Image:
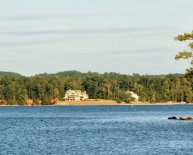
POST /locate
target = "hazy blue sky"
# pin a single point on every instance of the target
(126, 36)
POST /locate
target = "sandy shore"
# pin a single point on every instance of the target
(101, 102)
(111, 102)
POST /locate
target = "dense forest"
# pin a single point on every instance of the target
(47, 88)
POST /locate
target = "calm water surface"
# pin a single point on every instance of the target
(96, 130)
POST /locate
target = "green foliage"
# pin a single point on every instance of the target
(184, 37)
(186, 54)
(9, 74)
(123, 96)
(183, 55)
(49, 87)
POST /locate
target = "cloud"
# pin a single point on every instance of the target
(142, 51)
(65, 30)
(51, 17)
(10, 44)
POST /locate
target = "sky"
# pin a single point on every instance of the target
(124, 36)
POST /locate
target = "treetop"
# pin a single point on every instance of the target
(184, 37)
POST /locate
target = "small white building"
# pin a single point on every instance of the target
(75, 95)
(133, 95)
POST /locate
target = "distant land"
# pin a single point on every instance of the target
(49, 89)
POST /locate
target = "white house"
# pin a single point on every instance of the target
(134, 95)
(75, 95)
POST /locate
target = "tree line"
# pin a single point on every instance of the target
(46, 89)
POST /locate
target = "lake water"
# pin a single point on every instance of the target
(96, 130)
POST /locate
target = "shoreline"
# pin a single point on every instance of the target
(138, 104)
(102, 104)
